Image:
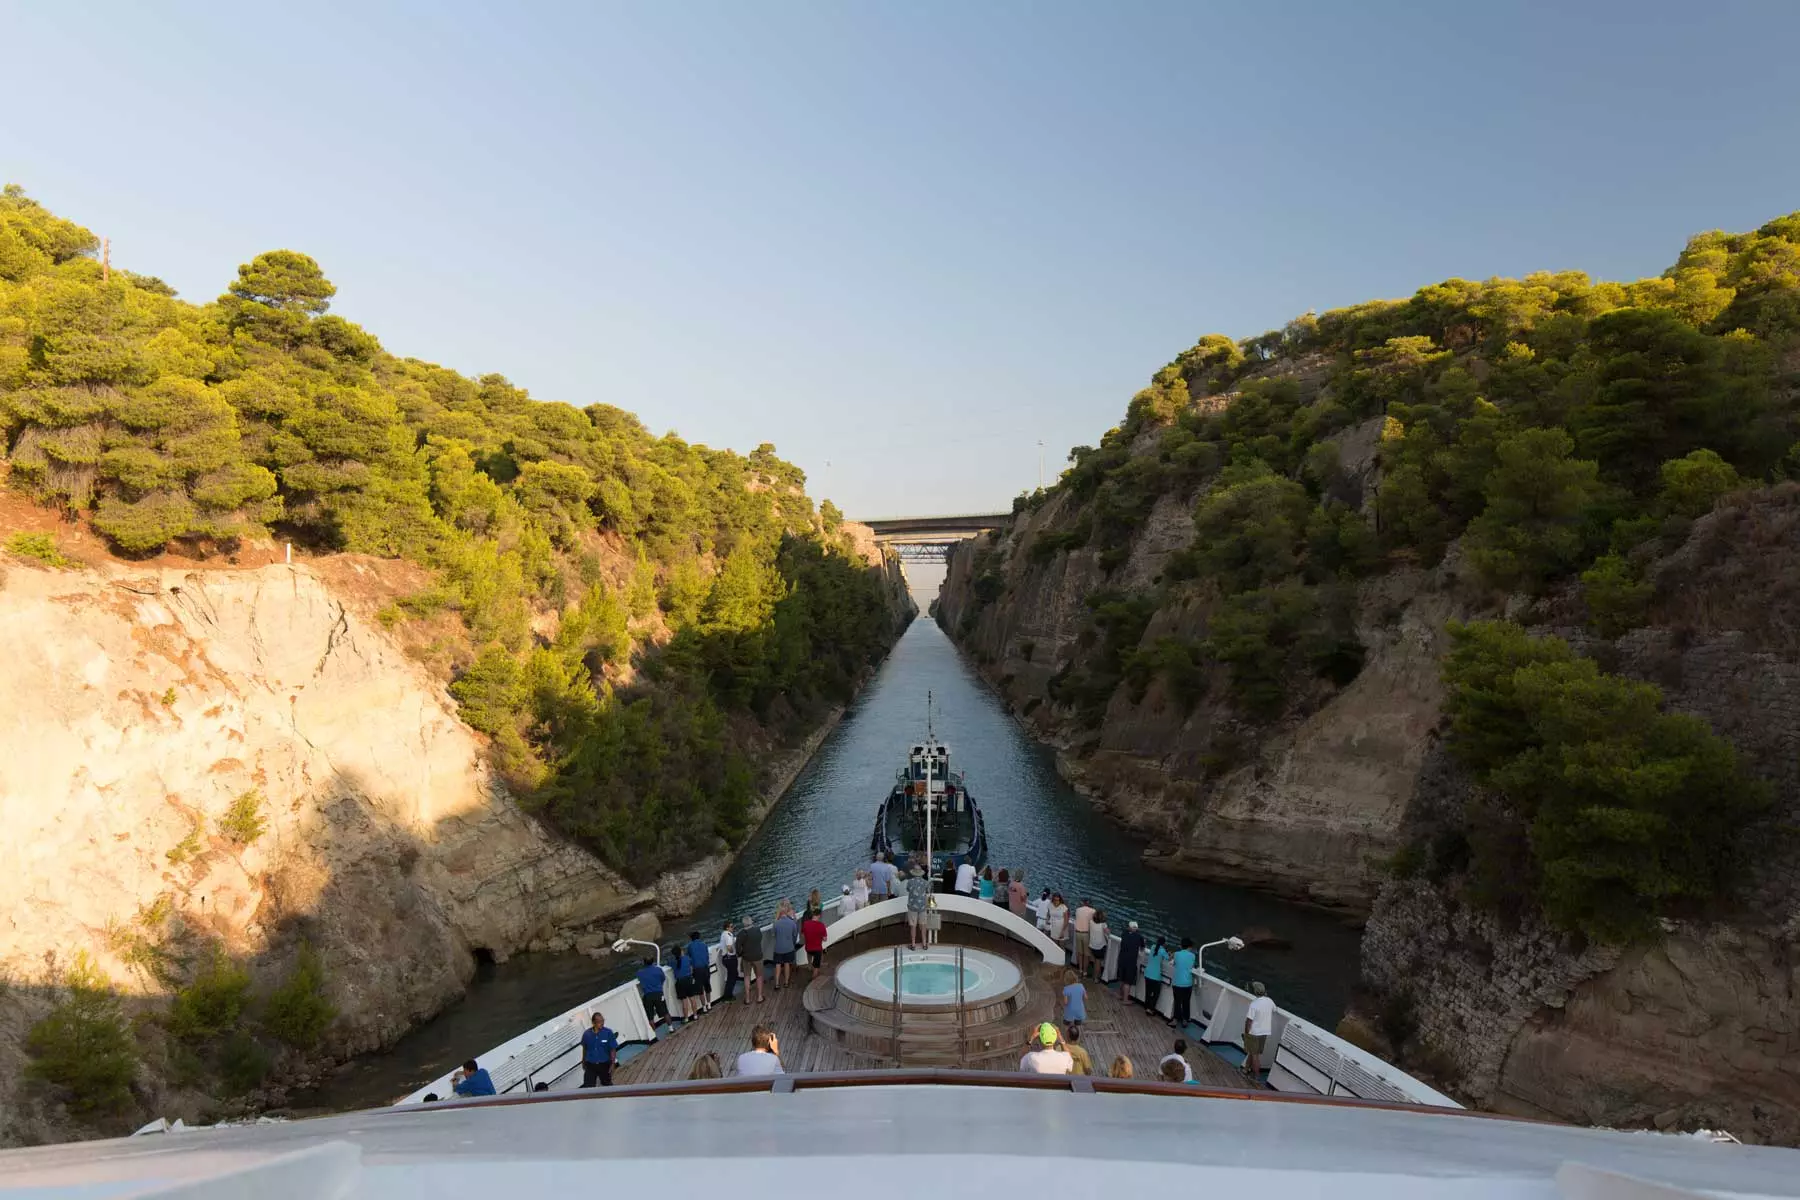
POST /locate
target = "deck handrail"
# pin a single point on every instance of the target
(958, 1076)
(623, 1004)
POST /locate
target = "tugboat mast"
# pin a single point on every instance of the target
(930, 753)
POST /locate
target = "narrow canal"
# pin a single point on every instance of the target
(820, 831)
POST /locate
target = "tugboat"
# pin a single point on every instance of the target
(930, 812)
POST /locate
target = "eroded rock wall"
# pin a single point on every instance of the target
(137, 706)
(1309, 807)
(1701, 1026)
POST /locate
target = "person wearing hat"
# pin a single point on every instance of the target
(1131, 948)
(1045, 1055)
(849, 903)
(918, 896)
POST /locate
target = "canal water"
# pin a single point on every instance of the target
(819, 832)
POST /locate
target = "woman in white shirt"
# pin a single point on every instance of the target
(1097, 938)
(764, 1055)
(1057, 920)
(859, 889)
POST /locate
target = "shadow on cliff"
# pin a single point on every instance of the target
(400, 922)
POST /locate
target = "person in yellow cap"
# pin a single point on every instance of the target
(1044, 1053)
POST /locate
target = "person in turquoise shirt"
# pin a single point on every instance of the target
(1181, 978)
(1156, 969)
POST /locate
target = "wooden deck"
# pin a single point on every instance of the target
(1112, 1028)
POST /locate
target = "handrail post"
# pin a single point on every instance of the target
(897, 962)
(962, 1015)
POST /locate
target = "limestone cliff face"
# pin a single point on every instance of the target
(1309, 807)
(1701, 1027)
(136, 706)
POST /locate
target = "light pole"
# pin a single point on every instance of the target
(1230, 943)
(620, 945)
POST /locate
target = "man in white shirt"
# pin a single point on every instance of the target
(1046, 1057)
(1040, 909)
(1180, 1056)
(847, 905)
(1259, 1023)
(965, 878)
(764, 1055)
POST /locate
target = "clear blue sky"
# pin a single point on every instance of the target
(903, 241)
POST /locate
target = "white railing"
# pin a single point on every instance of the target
(550, 1050)
(1306, 1058)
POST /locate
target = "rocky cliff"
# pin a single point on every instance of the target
(1310, 807)
(1699, 1027)
(144, 712)
(138, 706)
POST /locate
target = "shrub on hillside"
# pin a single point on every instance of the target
(39, 547)
(243, 822)
(1630, 812)
(298, 1011)
(211, 1005)
(83, 1047)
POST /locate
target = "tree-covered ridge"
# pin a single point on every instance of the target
(164, 422)
(1562, 433)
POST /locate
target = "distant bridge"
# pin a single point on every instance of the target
(929, 538)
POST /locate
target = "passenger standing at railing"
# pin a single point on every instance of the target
(1040, 911)
(1131, 949)
(1097, 937)
(1156, 969)
(1056, 921)
(701, 959)
(750, 957)
(883, 875)
(787, 941)
(1259, 1023)
(1181, 978)
(814, 905)
(1018, 900)
(984, 887)
(684, 984)
(848, 903)
(650, 981)
(965, 878)
(1084, 920)
(728, 958)
(1002, 887)
(918, 895)
(860, 889)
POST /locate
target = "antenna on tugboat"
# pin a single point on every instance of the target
(930, 757)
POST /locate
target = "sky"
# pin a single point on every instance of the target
(905, 242)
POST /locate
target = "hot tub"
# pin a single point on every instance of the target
(927, 977)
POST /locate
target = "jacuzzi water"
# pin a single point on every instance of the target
(928, 977)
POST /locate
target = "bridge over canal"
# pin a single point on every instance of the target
(930, 538)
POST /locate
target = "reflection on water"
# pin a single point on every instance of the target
(820, 831)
